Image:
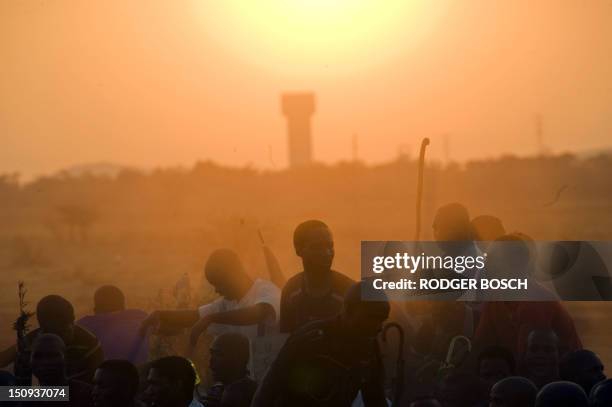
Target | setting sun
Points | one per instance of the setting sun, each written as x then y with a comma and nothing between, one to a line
298,34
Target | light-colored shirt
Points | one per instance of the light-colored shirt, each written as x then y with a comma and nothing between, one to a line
261,292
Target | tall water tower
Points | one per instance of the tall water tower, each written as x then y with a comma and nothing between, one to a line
298,109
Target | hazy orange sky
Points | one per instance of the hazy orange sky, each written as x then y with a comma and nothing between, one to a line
159,83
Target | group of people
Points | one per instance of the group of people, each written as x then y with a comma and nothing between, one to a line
518,354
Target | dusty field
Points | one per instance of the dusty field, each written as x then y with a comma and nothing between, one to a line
148,231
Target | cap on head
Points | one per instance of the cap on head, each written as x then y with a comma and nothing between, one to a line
108,298
54,311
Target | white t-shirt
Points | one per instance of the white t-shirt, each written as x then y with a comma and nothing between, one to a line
261,292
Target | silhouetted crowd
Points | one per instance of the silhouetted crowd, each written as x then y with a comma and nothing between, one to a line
313,341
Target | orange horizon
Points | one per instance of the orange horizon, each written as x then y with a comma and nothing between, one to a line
158,85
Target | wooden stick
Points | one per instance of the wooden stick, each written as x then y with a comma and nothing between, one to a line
419,194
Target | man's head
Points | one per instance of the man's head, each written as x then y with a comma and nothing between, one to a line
314,243
514,391
363,318
115,383
494,364
601,394
542,356
229,356
55,315
170,383
225,272
48,359
582,367
108,298
451,227
562,394
487,228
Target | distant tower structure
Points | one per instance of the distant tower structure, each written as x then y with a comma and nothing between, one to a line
298,109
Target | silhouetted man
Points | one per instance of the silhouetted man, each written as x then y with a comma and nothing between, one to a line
601,394
318,291
453,233
229,355
117,327
246,306
494,364
115,384
582,367
444,320
56,316
452,224
541,359
49,367
170,383
514,391
327,363
562,394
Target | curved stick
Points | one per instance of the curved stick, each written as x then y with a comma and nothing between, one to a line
449,362
419,194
